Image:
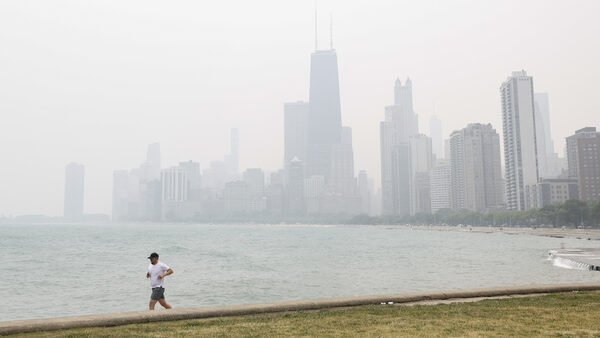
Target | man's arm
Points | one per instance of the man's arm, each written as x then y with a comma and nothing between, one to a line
147,274
170,271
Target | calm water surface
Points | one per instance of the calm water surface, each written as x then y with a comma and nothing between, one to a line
61,270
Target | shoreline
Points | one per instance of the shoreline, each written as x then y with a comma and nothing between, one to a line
589,234
124,318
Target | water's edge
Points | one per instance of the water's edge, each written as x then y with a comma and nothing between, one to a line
115,319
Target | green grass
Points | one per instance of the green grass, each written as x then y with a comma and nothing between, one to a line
560,315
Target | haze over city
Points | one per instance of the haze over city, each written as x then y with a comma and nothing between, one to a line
96,82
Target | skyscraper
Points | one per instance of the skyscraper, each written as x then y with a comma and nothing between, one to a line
435,131
572,160
314,188
151,168
583,153
457,171
520,147
400,123
295,117
421,162
342,179
542,106
365,192
295,187
74,184
476,171
545,146
325,116
440,185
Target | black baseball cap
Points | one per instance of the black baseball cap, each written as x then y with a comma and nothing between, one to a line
153,255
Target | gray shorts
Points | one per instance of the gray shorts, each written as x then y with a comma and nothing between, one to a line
158,293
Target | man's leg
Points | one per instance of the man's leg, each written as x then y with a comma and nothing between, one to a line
164,303
152,303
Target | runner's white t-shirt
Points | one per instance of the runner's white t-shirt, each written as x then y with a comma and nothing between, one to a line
157,269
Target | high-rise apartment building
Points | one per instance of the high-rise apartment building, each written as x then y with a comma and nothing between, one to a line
519,130
476,178
174,184
440,185
572,160
588,168
400,123
545,145
74,184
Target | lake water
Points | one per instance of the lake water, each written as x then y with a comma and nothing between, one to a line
62,270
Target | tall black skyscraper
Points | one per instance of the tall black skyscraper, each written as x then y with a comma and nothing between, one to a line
325,116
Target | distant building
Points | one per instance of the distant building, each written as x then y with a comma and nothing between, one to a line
74,185
192,171
457,171
342,179
588,166
254,178
295,123
314,190
325,116
137,193
174,184
400,123
435,130
365,192
275,193
150,169
174,192
440,185
520,148
552,191
475,168
236,197
295,187
232,160
216,175
421,162
572,148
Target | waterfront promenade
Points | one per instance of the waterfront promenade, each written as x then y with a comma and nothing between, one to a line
116,319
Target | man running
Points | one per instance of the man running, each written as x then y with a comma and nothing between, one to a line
157,271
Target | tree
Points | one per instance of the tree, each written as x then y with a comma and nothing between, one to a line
548,214
573,212
595,213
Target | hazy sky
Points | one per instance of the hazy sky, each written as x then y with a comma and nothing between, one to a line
96,81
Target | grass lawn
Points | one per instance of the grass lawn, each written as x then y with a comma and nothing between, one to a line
564,314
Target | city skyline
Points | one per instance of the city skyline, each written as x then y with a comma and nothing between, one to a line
109,117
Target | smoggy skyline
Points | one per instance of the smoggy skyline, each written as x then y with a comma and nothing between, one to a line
96,82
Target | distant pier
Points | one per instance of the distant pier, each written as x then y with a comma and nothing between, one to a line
581,258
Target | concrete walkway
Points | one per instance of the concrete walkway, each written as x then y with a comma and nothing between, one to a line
114,319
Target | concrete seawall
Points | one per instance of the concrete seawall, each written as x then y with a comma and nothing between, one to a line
123,318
